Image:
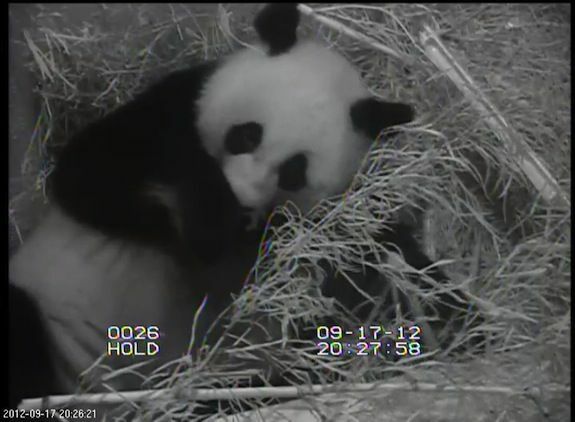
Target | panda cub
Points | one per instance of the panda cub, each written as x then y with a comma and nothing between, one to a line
150,205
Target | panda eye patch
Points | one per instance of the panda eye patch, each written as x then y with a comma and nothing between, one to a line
292,173
243,138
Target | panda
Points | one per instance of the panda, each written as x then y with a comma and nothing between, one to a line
152,205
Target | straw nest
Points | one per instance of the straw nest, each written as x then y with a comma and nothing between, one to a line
484,222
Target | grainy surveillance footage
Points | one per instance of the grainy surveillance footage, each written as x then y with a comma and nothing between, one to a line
289,212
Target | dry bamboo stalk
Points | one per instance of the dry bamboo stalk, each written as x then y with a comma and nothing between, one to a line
339,27
274,392
528,161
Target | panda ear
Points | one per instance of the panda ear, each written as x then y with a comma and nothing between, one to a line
276,25
371,116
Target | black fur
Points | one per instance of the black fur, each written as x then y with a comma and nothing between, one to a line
371,116
292,173
31,372
398,238
104,174
277,26
244,138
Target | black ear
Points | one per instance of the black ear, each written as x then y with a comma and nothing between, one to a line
371,116
276,24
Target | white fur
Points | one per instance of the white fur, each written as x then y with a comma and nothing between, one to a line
303,99
253,182
85,282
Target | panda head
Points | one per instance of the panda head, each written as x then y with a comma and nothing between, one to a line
290,120
176,167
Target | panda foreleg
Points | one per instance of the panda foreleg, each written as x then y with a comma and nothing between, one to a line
452,306
31,371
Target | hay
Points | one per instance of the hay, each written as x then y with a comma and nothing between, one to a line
485,222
